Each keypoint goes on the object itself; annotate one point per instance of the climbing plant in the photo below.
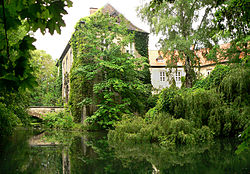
(105, 80)
(141, 45)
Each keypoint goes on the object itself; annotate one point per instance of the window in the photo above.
(178, 76)
(66, 67)
(71, 58)
(130, 49)
(159, 59)
(162, 76)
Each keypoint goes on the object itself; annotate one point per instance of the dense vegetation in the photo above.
(216, 106)
(17, 19)
(110, 87)
(105, 80)
(186, 26)
(48, 92)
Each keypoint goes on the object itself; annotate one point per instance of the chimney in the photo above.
(92, 10)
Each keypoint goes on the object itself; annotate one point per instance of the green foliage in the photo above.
(175, 21)
(151, 101)
(214, 79)
(141, 45)
(217, 108)
(236, 85)
(48, 93)
(61, 120)
(105, 81)
(12, 110)
(232, 18)
(162, 129)
(245, 145)
(17, 19)
(31, 15)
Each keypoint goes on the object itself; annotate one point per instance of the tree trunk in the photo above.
(189, 77)
(84, 114)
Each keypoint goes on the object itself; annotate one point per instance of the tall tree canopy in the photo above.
(232, 18)
(17, 19)
(48, 93)
(185, 25)
(15, 70)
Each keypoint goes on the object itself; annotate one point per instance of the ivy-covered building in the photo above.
(83, 71)
(137, 48)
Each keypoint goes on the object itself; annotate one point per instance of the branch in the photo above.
(203, 18)
(193, 4)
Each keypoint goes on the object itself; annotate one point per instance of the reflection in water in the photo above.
(72, 153)
(65, 161)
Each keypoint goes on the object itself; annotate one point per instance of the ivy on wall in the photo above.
(141, 43)
(106, 82)
(141, 46)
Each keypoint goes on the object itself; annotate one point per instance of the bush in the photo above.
(236, 85)
(188, 116)
(163, 129)
(214, 79)
(13, 107)
(61, 120)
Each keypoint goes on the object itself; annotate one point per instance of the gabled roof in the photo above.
(154, 54)
(108, 8)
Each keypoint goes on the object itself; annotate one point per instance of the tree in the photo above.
(232, 22)
(17, 19)
(185, 25)
(232, 18)
(48, 92)
(105, 80)
(15, 70)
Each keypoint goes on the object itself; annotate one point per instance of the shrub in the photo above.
(236, 85)
(214, 79)
(162, 129)
(188, 116)
(61, 120)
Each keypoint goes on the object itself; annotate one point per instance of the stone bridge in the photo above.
(40, 111)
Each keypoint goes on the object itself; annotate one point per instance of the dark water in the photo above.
(34, 151)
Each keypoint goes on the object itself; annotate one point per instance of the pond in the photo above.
(37, 151)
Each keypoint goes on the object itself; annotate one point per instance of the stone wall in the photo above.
(40, 111)
(67, 62)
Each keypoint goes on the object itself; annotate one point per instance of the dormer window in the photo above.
(159, 59)
(209, 71)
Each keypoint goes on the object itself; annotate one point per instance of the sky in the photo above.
(55, 44)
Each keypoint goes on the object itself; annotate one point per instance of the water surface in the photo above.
(36, 151)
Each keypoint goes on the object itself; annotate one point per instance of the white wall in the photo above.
(158, 83)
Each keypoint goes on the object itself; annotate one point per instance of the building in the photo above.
(162, 76)
(66, 58)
